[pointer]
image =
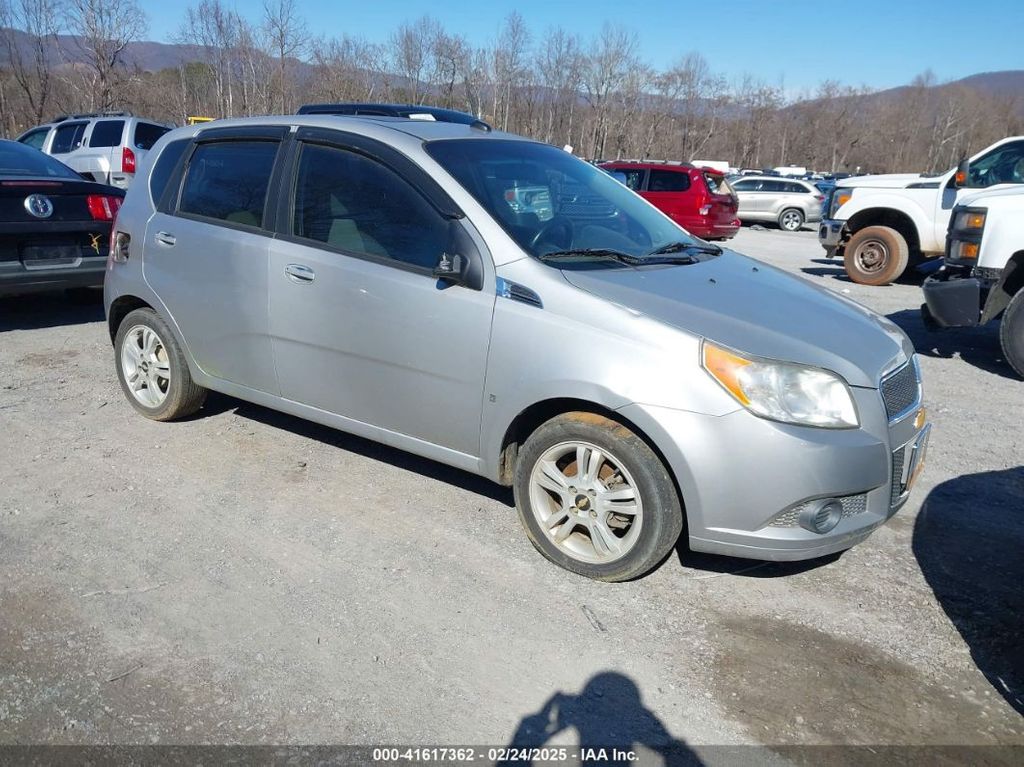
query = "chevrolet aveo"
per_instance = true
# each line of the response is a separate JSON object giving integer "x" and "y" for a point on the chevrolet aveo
{"x": 496, "y": 304}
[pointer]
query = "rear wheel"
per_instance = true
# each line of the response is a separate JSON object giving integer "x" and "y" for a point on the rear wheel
{"x": 791, "y": 220}
{"x": 595, "y": 499}
{"x": 152, "y": 369}
{"x": 1011, "y": 333}
{"x": 876, "y": 255}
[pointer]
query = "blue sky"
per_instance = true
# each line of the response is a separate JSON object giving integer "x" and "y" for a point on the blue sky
{"x": 794, "y": 43}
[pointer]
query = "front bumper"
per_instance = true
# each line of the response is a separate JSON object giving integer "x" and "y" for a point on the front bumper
{"x": 744, "y": 479}
{"x": 955, "y": 297}
{"x": 830, "y": 235}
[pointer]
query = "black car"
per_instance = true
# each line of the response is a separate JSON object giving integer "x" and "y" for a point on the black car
{"x": 54, "y": 225}
{"x": 409, "y": 111}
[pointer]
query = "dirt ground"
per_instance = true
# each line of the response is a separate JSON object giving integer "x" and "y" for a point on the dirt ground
{"x": 247, "y": 577}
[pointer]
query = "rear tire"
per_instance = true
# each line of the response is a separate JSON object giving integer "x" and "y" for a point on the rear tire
{"x": 152, "y": 370}
{"x": 1011, "y": 333}
{"x": 791, "y": 220}
{"x": 876, "y": 255}
{"x": 614, "y": 519}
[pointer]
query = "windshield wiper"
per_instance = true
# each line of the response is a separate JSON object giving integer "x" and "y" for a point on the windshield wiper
{"x": 589, "y": 254}
{"x": 686, "y": 247}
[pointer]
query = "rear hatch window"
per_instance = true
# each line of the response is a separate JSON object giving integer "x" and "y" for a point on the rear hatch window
{"x": 718, "y": 185}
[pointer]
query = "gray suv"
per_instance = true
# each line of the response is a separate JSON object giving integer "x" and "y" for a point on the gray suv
{"x": 630, "y": 383}
{"x": 788, "y": 202}
{"x": 105, "y": 147}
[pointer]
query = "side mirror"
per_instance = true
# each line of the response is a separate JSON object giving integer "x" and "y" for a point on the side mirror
{"x": 962, "y": 169}
{"x": 452, "y": 268}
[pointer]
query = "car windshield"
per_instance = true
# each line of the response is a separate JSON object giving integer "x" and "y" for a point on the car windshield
{"x": 20, "y": 160}
{"x": 553, "y": 203}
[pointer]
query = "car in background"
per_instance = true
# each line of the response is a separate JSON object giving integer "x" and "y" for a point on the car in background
{"x": 698, "y": 199}
{"x": 103, "y": 146}
{"x": 788, "y": 202}
{"x": 54, "y": 225}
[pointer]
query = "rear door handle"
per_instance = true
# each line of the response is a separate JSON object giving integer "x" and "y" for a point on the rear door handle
{"x": 299, "y": 273}
{"x": 165, "y": 238}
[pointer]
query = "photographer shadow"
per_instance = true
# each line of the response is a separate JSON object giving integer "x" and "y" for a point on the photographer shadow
{"x": 969, "y": 542}
{"x": 607, "y": 715}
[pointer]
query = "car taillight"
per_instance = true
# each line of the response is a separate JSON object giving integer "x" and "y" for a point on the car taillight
{"x": 127, "y": 160}
{"x": 820, "y": 198}
{"x": 103, "y": 207}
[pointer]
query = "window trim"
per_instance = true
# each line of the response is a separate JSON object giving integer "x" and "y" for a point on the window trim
{"x": 270, "y": 204}
{"x": 287, "y": 196}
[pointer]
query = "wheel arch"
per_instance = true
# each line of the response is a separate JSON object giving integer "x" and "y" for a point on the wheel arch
{"x": 533, "y": 416}
{"x": 119, "y": 309}
{"x": 1010, "y": 284}
{"x": 891, "y": 218}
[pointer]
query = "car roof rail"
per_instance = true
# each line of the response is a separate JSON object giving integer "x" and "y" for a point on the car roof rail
{"x": 86, "y": 115}
{"x": 406, "y": 111}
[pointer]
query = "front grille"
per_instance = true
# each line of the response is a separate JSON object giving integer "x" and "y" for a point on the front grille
{"x": 896, "y": 490}
{"x": 901, "y": 391}
{"x": 852, "y": 504}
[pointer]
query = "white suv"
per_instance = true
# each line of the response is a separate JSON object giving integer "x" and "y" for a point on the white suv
{"x": 105, "y": 147}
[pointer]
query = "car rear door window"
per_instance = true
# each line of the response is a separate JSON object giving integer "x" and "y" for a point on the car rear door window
{"x": 164, "y": 167}
{"x": 229, "y": 181}
{"x": 770, "y": 185}
{"x": 68, "y": 138}
{"x": 668, "y": 181}
{"x": 147, "y": 134}
{"x": 348, "y": 201}
{"x": 106, "y": 133}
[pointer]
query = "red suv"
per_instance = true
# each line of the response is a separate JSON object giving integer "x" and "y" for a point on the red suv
{"x": 698, "y": 199}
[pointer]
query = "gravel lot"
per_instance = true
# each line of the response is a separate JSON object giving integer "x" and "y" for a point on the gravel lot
{"x": 247, "y": 577}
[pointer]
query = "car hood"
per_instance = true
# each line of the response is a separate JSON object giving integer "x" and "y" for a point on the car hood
{"x": 1003, "y": 191}
{"x": 758, "y": 309}
{"x": 888, "y": 180}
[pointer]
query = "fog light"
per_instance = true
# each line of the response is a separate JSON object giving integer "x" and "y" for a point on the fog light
{"x": 821, "y": 516}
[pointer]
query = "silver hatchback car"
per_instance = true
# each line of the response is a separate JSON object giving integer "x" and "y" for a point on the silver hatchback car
{"x": 788, "y": 202}
{"x": 631, "y": 383}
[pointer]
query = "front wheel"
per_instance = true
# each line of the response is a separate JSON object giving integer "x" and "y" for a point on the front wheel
{"x": 595, "y": 499}
{"x": 152, "y": 369}
{"x": 1011, "y": 333}
{"x": 791, "y": 220}
{"x": 876, "y": 255}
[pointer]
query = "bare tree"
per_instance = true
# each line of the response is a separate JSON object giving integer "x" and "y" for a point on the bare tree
{"x": 288, "y": 37}
{"x": 411, "y": 49}
{"x": 102, "y": 30}
{"x": 29, "y": 33}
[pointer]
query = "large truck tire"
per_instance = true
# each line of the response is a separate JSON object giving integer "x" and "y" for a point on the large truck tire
{"x": 876, "y": 255}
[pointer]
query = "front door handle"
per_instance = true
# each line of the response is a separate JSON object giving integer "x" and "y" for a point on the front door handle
{"x": 299, "y": 273}
{"x": 165, "y": 238}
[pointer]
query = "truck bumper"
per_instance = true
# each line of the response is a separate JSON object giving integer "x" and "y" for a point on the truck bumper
{"x": 952, "y": 302}
{"x": 830, "y": 235}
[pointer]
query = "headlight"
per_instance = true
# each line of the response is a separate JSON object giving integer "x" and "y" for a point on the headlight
{"x": 782, "y": 391}
{"x": 969, "y": 219}
{"x": 840, "y": 196}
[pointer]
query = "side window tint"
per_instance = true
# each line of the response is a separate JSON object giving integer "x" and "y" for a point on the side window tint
{"x": 106, "y": 133}
{"x": 229, "y": 181}
{"x": 773, "y": 186}
{"x": 35, "y": 139}
{"x": 68, "y": 138}
{"x": 147, "y": 134}
{"x": 351, "y": 202}
{"x": 164, "y": 167}
{"x": 744, "y": 186}
{"x": 668, "y": 181}
{"x": 796, "y": 188}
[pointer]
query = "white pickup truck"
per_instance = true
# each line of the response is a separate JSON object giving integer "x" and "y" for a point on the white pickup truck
{"x": 881, "y": 224}
{"x": 982, "y": 276}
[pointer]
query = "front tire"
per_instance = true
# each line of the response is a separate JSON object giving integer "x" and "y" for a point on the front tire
{"x": 152, "y": 370}
{"x": 876, "y": 255}
{"x": 1011, "y": 333}
{"x": 595, "y": 498}
{"x": 791, "y": 220}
